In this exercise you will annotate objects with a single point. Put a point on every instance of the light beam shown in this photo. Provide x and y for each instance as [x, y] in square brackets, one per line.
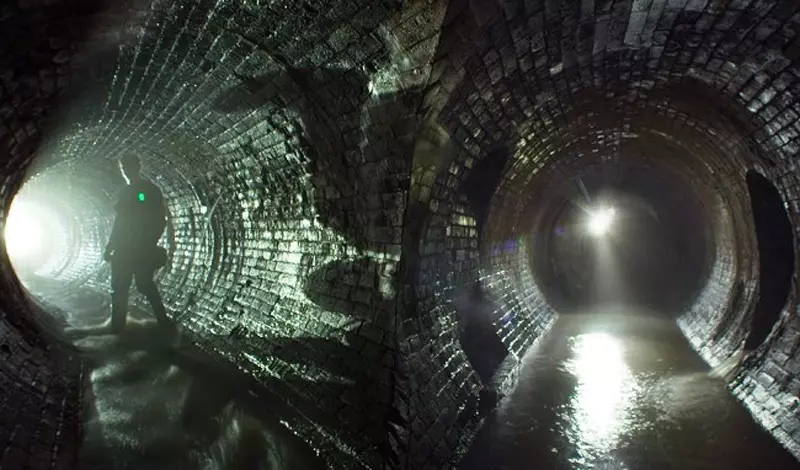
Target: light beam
[24, 232]
[600, 221]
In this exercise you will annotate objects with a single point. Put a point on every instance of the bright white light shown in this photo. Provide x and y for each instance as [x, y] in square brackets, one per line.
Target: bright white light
[600, 221]
[24, 232]
[604, 395]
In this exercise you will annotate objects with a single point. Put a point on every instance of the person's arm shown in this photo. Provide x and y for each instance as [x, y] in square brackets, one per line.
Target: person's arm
[161, 215]
[111, 246]
[112, 240]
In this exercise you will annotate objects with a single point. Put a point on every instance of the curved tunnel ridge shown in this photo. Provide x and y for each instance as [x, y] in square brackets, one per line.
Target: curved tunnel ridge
[356, 187]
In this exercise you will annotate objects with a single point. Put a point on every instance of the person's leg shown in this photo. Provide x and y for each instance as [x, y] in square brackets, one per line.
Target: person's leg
[147, 286]
[121, 276]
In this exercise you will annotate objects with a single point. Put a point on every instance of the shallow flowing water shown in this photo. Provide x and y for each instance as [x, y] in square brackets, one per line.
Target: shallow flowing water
[621, 392]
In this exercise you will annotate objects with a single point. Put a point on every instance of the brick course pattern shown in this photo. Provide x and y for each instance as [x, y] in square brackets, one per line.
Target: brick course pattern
[41, 403]
[314, 156]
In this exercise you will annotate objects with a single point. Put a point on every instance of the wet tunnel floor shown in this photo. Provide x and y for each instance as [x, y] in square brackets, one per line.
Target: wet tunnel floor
[150, 404]
[621, 392]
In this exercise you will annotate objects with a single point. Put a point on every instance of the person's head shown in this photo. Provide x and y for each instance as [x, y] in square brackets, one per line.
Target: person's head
[130, 165]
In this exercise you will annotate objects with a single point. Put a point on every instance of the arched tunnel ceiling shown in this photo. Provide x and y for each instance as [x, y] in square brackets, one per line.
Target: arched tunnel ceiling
[319, 246]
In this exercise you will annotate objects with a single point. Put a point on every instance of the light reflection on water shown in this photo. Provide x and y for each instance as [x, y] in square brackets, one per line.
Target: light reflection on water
[604, 395]
[152, 409]
[621, 392]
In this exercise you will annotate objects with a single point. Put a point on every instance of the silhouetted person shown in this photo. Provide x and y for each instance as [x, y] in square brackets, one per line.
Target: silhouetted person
[133, 246]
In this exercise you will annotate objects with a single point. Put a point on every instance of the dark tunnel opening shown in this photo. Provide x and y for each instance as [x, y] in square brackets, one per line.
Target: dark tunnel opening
[655, 255]
[377, 217]
[775, 255]
[483, 181]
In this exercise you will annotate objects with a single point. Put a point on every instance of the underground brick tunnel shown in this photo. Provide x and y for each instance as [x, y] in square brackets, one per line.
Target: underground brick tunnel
[375, 220]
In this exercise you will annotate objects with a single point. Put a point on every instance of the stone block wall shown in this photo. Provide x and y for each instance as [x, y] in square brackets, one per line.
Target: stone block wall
[284, 156]
[440, 430]
[40, 406]
[703, 322]
[283, 139]
[522, 76]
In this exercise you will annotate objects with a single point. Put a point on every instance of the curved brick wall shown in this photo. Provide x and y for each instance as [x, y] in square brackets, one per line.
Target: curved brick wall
[316, 159]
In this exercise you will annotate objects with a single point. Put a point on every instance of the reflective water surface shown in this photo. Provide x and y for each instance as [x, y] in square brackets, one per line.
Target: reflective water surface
[621, 392]
[151, 404]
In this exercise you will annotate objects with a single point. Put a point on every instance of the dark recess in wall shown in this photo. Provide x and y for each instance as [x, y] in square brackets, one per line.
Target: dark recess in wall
[478, 337]
[776, 256]
[482, 181]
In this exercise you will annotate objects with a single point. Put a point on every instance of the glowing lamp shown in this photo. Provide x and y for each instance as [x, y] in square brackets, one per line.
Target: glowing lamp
[600, 221]
[24, 232]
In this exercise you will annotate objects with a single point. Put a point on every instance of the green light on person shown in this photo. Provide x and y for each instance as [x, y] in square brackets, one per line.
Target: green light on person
[141, 197]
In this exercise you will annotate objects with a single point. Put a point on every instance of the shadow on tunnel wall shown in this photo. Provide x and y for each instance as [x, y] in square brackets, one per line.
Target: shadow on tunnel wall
[329, 103]
[362, 374]
[347, 387]
[776, 256]
[343, 284]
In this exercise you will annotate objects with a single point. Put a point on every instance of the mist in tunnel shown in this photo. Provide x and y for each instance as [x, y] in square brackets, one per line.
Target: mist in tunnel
[379, 213]
[52, 232]
[622, 235]
[284, 202]
[35, 237]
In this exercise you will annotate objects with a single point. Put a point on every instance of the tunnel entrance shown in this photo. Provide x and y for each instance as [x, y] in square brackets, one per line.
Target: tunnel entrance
[776, 256]
[653, 257]
[37, 234]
